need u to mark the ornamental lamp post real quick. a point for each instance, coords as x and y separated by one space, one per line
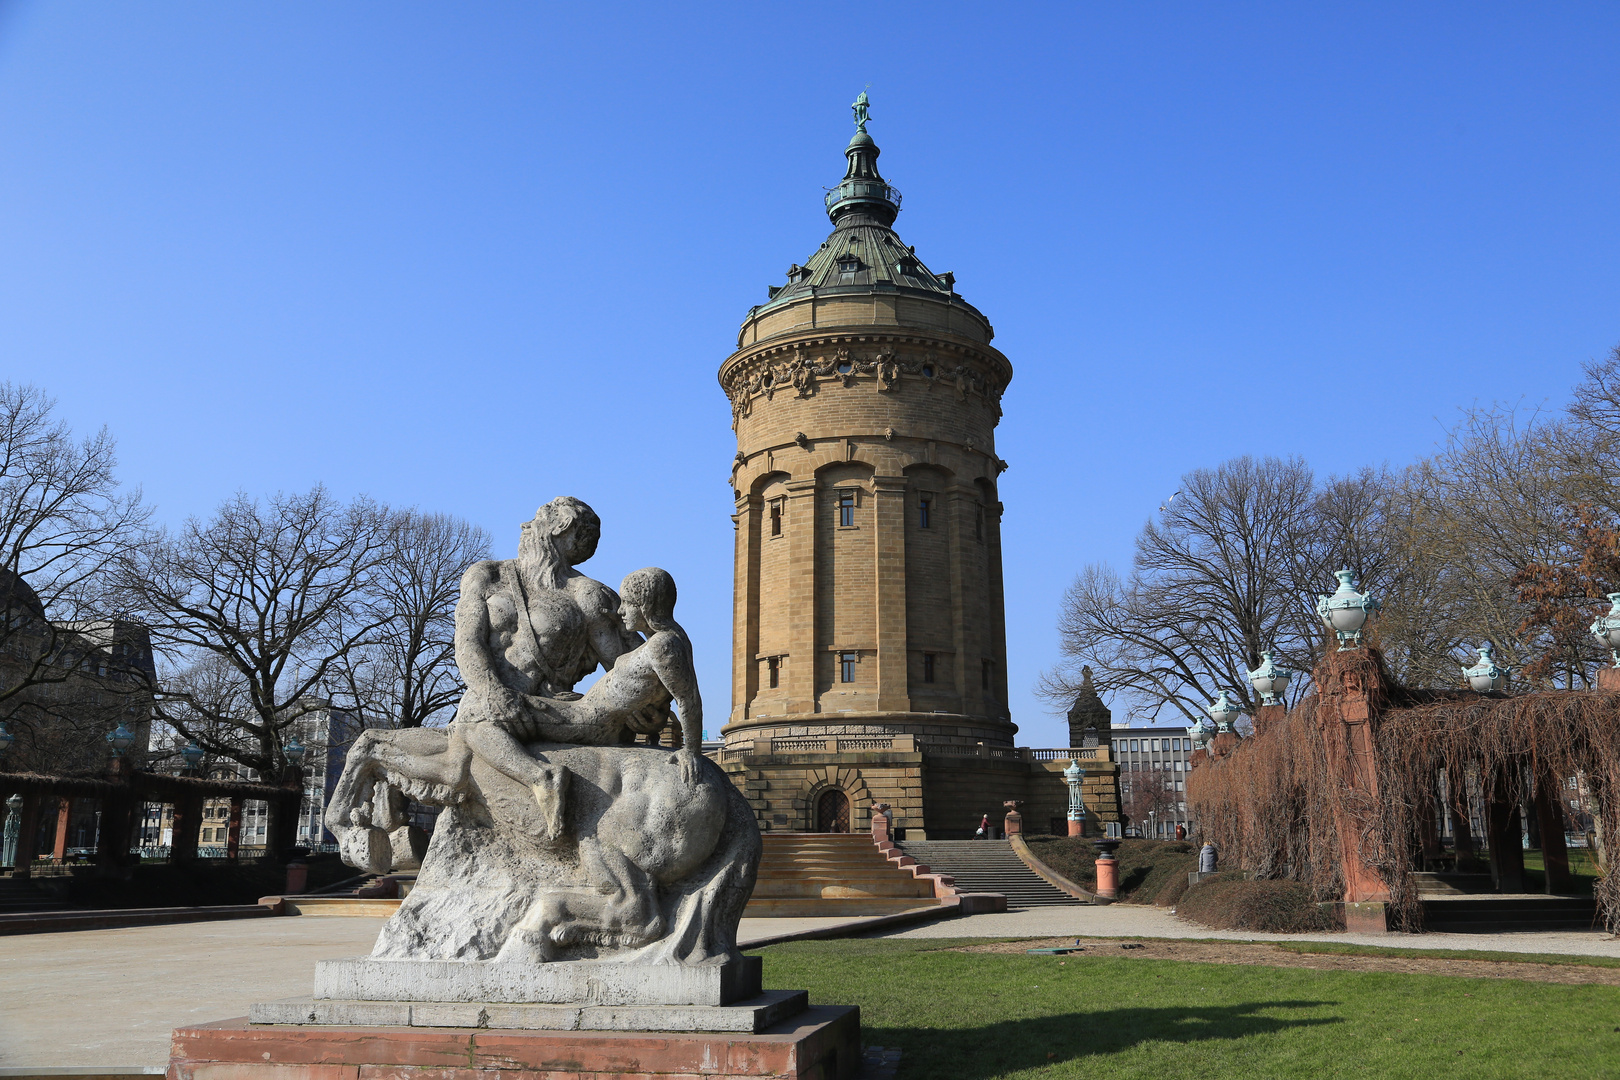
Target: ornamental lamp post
1223 711
1201 730
1072 776
120 739
6 739
1606 628
192 755
1486 675
1270 679
1346 611
295 751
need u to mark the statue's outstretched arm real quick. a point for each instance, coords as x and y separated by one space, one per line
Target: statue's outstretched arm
672 662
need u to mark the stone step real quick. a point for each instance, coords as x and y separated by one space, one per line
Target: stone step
1485 914
1432 884
989 866
832 874
842 888
827 907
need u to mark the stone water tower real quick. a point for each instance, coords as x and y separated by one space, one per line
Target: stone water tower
865 396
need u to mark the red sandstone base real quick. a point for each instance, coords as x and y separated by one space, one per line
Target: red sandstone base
821 1043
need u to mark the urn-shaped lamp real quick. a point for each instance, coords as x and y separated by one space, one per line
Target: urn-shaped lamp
1486 675
192 754
120 739
1606 628
1223 711
1346 611
1270 679
6 739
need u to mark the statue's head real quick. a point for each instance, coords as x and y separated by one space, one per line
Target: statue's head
647 599
564 532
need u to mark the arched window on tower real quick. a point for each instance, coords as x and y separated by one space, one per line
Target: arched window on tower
776 517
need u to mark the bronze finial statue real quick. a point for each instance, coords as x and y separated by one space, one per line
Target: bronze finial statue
863 112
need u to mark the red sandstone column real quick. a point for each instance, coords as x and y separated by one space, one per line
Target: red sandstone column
1345 715
1608 678
1550 822
1504 834
233 831
1266 715
64 813
1014 821
187 825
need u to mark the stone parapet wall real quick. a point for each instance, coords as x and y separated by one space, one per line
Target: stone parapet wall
938 796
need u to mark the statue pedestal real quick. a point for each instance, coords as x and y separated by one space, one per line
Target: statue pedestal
595 983
821 1043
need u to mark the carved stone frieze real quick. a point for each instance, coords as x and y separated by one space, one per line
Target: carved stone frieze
804 373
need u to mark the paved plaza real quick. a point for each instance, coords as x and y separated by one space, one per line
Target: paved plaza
110 997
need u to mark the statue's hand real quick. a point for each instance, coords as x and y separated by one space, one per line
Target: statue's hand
688 761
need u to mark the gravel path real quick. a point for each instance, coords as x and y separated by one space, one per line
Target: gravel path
1133 920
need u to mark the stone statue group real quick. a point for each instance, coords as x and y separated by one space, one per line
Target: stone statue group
569 831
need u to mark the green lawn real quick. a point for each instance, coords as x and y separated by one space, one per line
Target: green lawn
973 1016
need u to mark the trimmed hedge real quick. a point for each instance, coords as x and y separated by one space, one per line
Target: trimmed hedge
1230 902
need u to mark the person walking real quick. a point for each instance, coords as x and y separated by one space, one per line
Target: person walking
984 828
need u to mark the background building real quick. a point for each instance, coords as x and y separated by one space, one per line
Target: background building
1153 765
79 681
869 643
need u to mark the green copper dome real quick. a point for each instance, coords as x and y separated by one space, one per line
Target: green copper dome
864 253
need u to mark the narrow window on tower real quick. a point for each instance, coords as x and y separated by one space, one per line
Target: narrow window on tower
846 667
776 519
984 673
846 508
773 671
978 523
924 509
928 667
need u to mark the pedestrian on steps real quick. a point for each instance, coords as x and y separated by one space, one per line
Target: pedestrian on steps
984 828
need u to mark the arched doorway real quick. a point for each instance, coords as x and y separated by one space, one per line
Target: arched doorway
832 811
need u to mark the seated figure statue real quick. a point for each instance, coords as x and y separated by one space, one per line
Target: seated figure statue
608 859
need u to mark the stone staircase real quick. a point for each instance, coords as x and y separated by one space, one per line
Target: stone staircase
804 875
1431 884
1508 914
988 866
19 895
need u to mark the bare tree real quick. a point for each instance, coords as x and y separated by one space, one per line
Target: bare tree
1148 794
255 612
1211 587
406 676
64 672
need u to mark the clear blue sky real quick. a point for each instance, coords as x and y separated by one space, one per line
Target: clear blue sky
471 256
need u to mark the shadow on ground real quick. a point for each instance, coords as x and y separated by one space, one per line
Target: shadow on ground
993 1050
